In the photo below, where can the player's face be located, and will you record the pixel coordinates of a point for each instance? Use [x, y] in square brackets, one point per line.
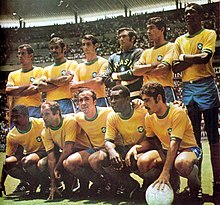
[49, 118]
[56, 51]
[88, 47]
[153, 32]
[124, 41]
[192, 17]
[150, 104]
[19, 119]
[86, 102]
[24, 57]
[118, 102]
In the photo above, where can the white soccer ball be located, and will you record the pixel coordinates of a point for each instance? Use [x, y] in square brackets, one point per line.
[159, 197]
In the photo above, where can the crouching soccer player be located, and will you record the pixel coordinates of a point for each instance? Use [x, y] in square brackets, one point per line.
[24, 149]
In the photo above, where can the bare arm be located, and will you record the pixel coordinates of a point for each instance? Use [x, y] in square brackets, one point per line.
[186, 60]
[93, 83]
[24, 90]
[67, 151]
[140, 69]
[171, 155]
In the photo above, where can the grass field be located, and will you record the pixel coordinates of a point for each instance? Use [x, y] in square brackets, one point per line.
[11, 183]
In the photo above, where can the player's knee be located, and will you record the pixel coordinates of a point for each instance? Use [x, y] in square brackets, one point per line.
[42, 164]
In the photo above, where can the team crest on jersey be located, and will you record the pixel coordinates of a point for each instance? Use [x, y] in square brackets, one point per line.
[38, 139]
[94, 74]
[103, 129]
[140, 129]
[63, 72]
[32, 79]
[199, 46]
[159, 57]
[169, 130]
[122, 68]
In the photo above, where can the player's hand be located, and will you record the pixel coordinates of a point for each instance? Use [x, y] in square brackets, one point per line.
[130, 153]
[115, 159]
[2, 189]
[53, 191]
[162, 180]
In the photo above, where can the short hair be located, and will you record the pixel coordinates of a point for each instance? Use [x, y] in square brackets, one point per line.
[125, 91]
[22, 109]
[54, 106]
[57, 40]
[91, 38]
[131, 32]
[28, 47]
[197, 7]
[153, 90]
[158, 22]
[81, 90]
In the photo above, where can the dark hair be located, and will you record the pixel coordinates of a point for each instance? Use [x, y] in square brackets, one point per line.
[125, 91]
[22, 109]
[28, 47]
[81, 90]
[57, 40]
[54, 106]
[159, 23]
[91, 38]
[131, 32]
[197, 7]
[153, 90]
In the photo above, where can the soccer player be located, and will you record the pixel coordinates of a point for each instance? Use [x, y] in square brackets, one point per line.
[155, 63]
[22, 83]
[59, 132]
[193, 54]
[129, 124]
[172, 126]
[58, 75]
[24, 149]
[87, 73]
[120, 64]
[92, 120]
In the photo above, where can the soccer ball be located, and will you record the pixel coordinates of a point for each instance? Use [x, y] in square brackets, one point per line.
[159, 197]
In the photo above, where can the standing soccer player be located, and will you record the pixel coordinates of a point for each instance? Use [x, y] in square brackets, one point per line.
[193, 54]
[58, 75]
[155, 63]
[120, 64]
[87, 73]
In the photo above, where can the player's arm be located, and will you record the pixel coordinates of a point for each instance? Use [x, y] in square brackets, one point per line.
[140, 69]
[169, 162]
[67, 151]
[51, 166]
[161, 70]
[113, 154]
[107, 76]
[93, 83]
[24, 90]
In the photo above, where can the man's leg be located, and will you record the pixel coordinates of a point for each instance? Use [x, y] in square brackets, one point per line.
[211, 127]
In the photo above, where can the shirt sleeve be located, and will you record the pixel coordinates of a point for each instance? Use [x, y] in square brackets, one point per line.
[111, 130]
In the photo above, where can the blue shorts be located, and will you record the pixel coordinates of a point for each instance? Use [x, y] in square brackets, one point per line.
[170, 94]
[102, 102]
[204, 93]
[66, 106]
[34, 111]
[197, 151]
[92, 150]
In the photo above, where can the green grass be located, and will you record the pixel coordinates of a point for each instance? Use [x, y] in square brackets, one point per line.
[11, 183]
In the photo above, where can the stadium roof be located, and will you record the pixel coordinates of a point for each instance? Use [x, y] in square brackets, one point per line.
[33, 11]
